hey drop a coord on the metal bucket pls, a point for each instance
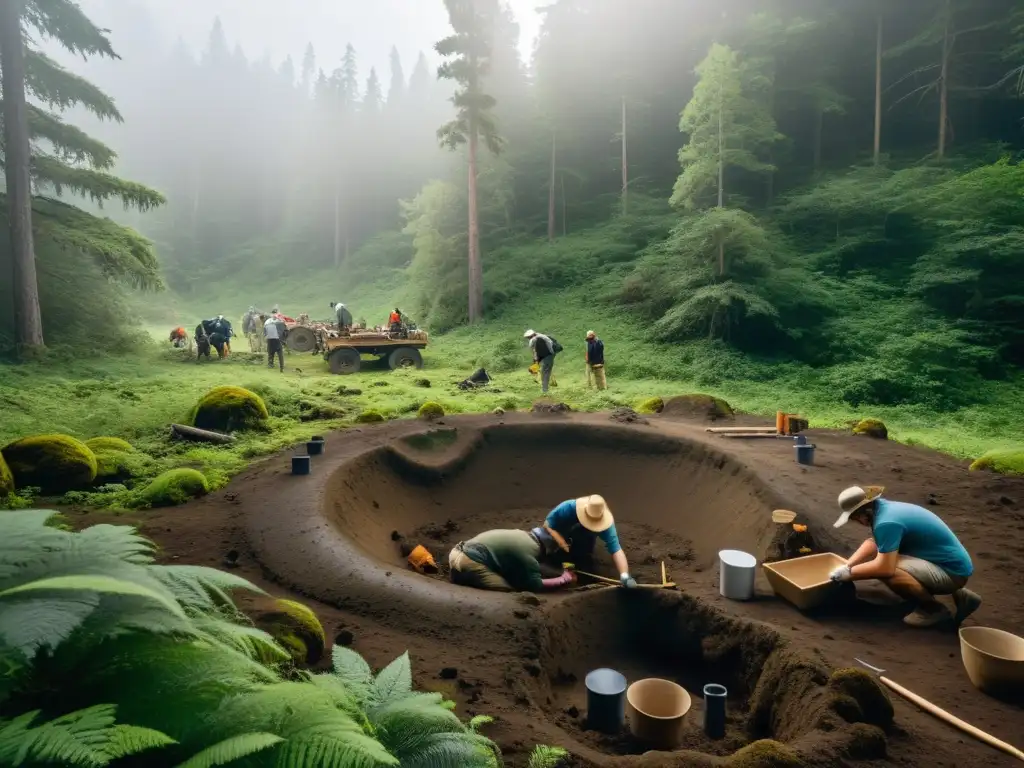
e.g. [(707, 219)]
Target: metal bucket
[(736, 574), (804, 454), (657, 710), (300, 465), (714, 710), (606, 700)]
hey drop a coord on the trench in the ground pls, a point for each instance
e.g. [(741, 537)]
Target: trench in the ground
[(674, 500)]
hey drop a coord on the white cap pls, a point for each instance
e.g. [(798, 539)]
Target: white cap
[(529, 333)]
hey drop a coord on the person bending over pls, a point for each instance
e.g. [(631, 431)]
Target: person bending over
[(581, 522), (911, 551), (506, 561)]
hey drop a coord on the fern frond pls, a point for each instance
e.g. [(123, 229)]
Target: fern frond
[(394, 681), (478, 722), (453, 750), (230, 750), (353, 671), (128, 740), (200, 588), (93, 583), (76, 739), (27, 625), (546, 757)]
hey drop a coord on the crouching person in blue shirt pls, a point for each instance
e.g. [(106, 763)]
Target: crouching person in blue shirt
[(584, 520), (911, 551)]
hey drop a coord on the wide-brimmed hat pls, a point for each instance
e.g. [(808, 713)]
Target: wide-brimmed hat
[(855, 497), (529, 333), (593, 513), (590, 334)]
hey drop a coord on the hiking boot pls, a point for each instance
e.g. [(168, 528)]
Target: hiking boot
[(966, 602), (923, 619)]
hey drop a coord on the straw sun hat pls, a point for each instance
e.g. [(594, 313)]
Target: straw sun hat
[(593, 513), (855, 497)]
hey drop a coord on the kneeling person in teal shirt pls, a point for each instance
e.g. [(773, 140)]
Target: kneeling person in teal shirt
[(584, 520), (911, 551), (506, 561)]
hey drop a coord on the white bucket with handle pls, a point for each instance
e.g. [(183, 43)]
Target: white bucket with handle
[(736, 574)]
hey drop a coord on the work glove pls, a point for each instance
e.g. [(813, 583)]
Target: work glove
[(627, 581), (842, 573)]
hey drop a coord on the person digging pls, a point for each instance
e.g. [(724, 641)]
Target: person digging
[(581, 522), (911, 551), (508, 561)]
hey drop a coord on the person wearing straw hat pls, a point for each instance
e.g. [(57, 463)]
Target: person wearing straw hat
[(507, 561), (911, 551), (595, 361), (581, 522)]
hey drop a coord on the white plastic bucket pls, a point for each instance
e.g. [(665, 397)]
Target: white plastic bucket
[(736, 574)]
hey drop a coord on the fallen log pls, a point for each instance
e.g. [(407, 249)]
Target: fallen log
[(182, 432)]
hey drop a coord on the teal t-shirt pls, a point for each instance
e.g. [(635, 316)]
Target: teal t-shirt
[(917, 532)]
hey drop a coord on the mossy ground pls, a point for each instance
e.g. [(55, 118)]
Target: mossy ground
[(871, 428), (1009, 462)]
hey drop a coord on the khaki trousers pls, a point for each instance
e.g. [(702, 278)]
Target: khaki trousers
[(599, 376), (468, 573)]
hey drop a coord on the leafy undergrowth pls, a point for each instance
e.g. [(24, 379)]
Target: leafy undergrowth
[(137, 397)]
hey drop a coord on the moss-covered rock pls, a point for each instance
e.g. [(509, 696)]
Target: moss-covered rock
[(430, 411), (296, 628), (698, 407), (53, 463), (6, 478), (651, 405), (866, 742), (765, 753), (871, 428), (864, 689), (1007, 462), (226, 409), (370, 416), (176, 486), (116, 460)]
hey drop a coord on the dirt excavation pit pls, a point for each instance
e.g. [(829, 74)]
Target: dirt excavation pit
[(775, 693), (674, 501)]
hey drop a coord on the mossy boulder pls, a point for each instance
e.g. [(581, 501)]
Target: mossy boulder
[(226, 409), (765, 753), (98, 444), (866, 742), (871, 428), (176, 486), (370, 417), (52, 463), (698, 406), (116, 460), (651, 405), (860, 686), (6, 478), (296, 628), (430, 411), (1007, 462)]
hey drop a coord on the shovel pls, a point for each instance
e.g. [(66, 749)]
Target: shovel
[(942, 714)]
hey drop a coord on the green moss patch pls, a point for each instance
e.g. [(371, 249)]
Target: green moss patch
[(871, 428), (1009, 462), (116, 460), (52, 463), (227, 409), (176, 486), (6, 478), (651, 405), (370, 416), (295, 627), (698, 407), (98, 444), (765, 753), (430, 411), (875, 707)]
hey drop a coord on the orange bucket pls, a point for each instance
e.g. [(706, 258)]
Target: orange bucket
[(780, 422), (421, 559)]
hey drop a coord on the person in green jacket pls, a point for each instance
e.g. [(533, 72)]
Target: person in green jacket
[(506, 561)]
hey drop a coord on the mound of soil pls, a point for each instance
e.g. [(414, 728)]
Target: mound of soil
[(703, 407)]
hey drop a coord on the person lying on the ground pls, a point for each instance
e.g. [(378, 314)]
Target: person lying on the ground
[(581, 522), (506, 561), (911, 551)]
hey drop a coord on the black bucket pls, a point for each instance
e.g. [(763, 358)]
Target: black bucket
[(606, 700), (315, 447), (300, 465), (804, 454), (714, 710)]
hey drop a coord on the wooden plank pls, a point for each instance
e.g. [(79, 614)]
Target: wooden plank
[(664, 577), (750, 434), (723, 430)]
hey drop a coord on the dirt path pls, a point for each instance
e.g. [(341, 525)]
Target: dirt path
[(679, 495)]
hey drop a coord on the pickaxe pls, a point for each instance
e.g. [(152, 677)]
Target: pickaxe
[(942, 714)]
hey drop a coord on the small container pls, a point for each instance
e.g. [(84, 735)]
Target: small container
[(780, 422), (315, 447), (804, 454), (994, 660), (800, 440), (657, 709), (736, 574), (714, 710), (300, 465), (606, 700)]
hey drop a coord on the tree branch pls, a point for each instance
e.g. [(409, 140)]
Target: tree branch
[(96, 185), (61, 89)]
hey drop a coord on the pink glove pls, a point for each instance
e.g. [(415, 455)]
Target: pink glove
[(558, 581)]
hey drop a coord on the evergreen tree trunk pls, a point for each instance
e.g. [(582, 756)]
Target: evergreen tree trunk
[(878, 88), (625, 163), (721, 177), (337, 228), (944, 84), (819, 124), (551, 188), (565, 220), (28, 322), (476, 273)]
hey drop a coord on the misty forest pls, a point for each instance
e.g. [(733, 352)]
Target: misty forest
[(797, 205)]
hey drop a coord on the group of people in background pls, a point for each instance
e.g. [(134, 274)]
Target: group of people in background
[(545, 348)]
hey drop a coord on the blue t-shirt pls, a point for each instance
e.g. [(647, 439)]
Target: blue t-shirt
[(916, 532), (564, 520)]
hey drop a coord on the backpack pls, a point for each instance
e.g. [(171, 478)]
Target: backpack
[(555, 346)]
